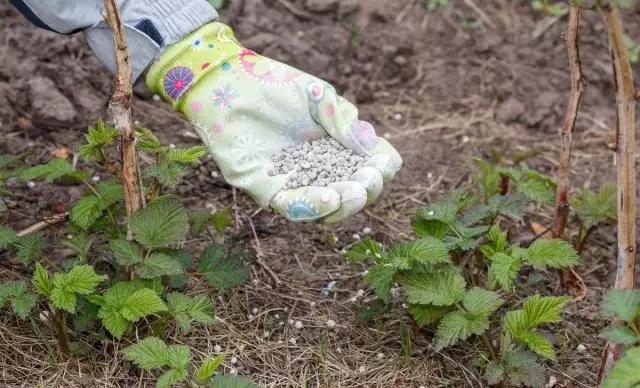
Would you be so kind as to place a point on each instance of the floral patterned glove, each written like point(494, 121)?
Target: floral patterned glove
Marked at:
point(246, 108)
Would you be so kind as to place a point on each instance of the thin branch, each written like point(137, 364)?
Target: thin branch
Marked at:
point(577, 87)
point(625, 160)
point(55, 219)
point(120, 107)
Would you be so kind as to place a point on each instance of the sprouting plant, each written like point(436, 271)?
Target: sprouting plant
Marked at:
point(624, 305)
point(134, 291)
point(461, 275)
point(634, 49)
point(433, 5)
point(220, 220)
point(354, 29)
point(592, 210)
point(175, 360)
point(550, 9)
point(469, 24)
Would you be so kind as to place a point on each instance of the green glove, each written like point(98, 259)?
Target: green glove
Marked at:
point(246, 108)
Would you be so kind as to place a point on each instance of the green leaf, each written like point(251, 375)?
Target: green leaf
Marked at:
point(97, 137)
point(221, 220)
point(593, 209)
point(7, 237)
point(381, 278)
point(81, 244)
point(142, 303)
point(220, 270)
point(459, 325)
point(201, 310)
point(427, 250)
point(56, 168)
point(444, 211)
point(187, 155)
point(41, 280)
point(539, 344)
point(110, 193)
point(481, 302)
point(149, 353)
point(179, 356)
point(170, 377)
point(554, 253)
point(5, 293)
point(22, 304)
point(126, 252)
point(81, 279)
point(522, 368)
point(498, 238)
point(620, 335)
point(208, 368)
point(62, 298)
point(159, 264)
point(113, 321)
point(160, 225)
point(511, 205)
point(231, 381)
point(626, 372)
point(440, 289)
point(539, 310)
point(429, 228)
point(365, 250)
point(489, 178)
point(30, 247)
point(186, 261)
point(493, 373)
point(425, 314)
point(199, 221)
point(184, 309)
point(504, 269)
point(147, 141)
point(622, 303)
point(86, 211)
point(169, 174)
point(6, 160)
point(536, 191)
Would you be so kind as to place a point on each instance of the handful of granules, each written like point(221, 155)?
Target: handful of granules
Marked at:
point(316, 163)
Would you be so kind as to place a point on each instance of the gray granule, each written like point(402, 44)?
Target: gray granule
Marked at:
point(316, 163)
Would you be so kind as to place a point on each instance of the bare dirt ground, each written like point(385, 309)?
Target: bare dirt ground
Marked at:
point(443, 94)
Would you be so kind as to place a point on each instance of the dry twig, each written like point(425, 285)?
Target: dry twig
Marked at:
point(55, 219)
point(625, 160)
point(120, 107)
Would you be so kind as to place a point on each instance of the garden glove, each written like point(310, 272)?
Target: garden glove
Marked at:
point(246, 108)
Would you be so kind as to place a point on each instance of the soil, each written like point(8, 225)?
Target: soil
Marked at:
point(441, 93)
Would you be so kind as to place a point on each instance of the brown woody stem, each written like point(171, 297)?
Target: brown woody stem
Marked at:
point(625, 160)
point(577, 86)
point(120, 107)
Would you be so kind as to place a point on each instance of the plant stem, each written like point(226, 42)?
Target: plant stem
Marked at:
point(625, 160)
point(93, 189)
point(492, 351)
point(583, 237)
point(120, 107)
point(60, 331)
point(106, 162)
point(577, 87)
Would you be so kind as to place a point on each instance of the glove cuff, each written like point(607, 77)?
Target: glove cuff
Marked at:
point(184, 64)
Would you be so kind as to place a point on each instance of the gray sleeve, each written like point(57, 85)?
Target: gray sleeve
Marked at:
point(150, 25)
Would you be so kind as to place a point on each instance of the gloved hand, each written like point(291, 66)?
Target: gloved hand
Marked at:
point(246, 108)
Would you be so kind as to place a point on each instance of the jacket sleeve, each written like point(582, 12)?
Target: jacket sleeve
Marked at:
point(150, 25)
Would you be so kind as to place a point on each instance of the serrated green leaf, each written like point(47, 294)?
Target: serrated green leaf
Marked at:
point(439, 289)
point(160, 225)
point(457, 326)
point(511, 205)
point(179, 356)
point(97, 137)
point(208, 368)
point(187, 155)
point(427, 250)
point(149, 353)
point(126, 252)
point(81, 244)
point(231, 381)
point(493, 373)
point(539, 310)
point(536, 191)
point(159, 264)
point(140, 304)
point(221, 270)
point(22, 304)
point(620, 335)
point(623, 303)
point(444, 211)
point(498, 238)
point(63, 298)
point(365, 250)
point(201, 310)
point(626, 372)
point(56, 168)
point(481, 302)
point(515, 322)
point(429, 228)
point(7, 237)
point(86, 211)
point(30, 246)
point(523, 369)
point(381, 278)
point(184, 309)
point(186, 261)
point(147, 141)
point(592, 209)
point(539, 344)
point(427, 314)
point(171, 377)
point(221, 220)
point(113, 321)
point(41, 281)
point(167, 173)
point(489, 178)
point(554, 253)
point(199, 220)
point(81, 279)
point(110, 193)
point(504, 269)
